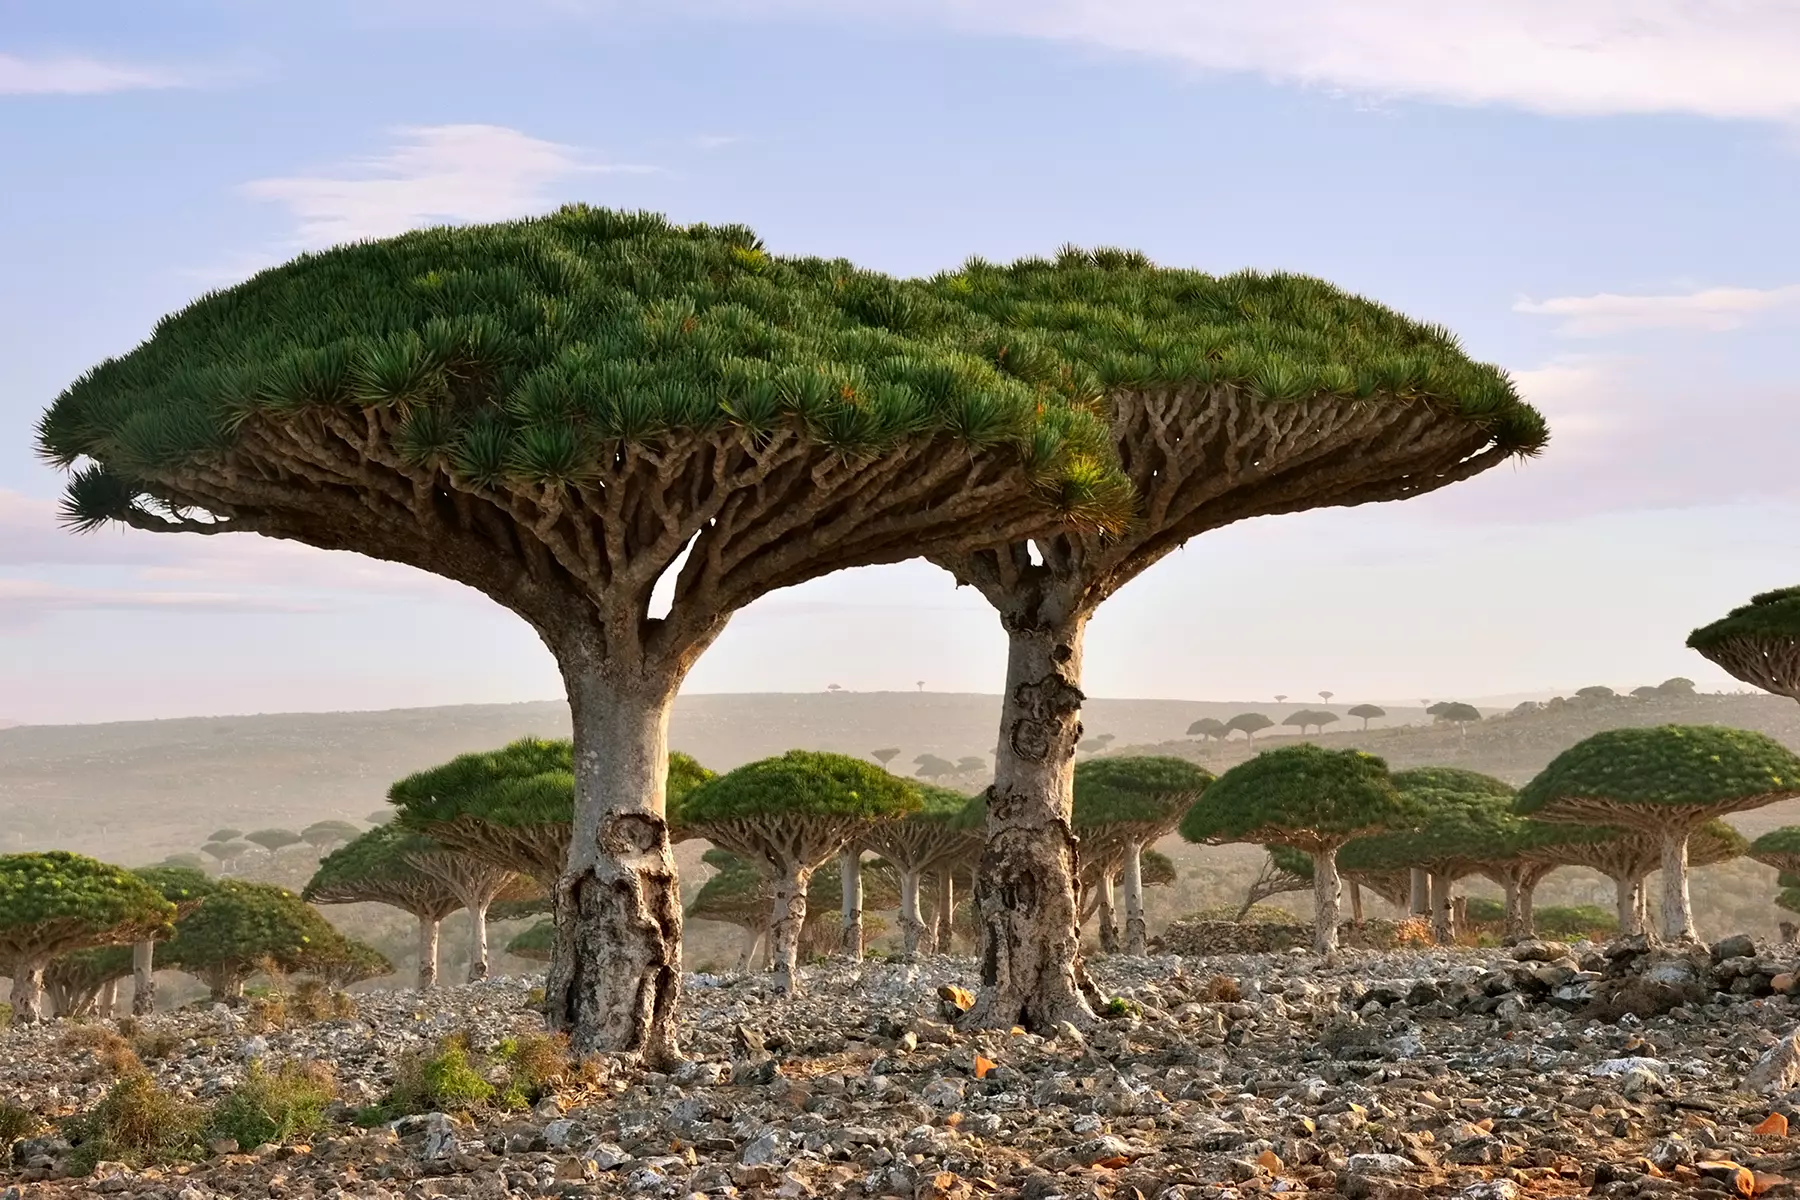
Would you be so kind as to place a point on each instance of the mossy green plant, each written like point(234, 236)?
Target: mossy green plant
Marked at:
point(274, 1106)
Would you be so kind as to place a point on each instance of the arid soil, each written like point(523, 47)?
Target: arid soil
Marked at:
point(1544, 1070)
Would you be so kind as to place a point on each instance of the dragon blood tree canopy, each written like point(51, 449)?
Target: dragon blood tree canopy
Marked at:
point(377, 868)
point(1758, 642)
point(1667, 780)
point(559, 413)
point(1228, 397)
point(933, 837)
point(55, 903)
point(515, 806)
point(1778, 848)
point(243, 926)
point(1123, 804)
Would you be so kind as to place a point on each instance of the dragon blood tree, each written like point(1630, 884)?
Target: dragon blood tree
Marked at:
point(926, 840)
point(1156, 869)
point(1228, 397)
point(186, 889)
point(345, 961)
point(1665, 780)
point(1778, 848)
point(57, 903)
point(534, 943)
point(1628, 856)
point(380, 867)
point(1758, 642)
point(85, 983)
point(243, 927)
point(476, 884)
point(1122, 805)
point(739, 894)
point(1308, 799)
point(559, 413)
point(1286, 869)
point(788, 815)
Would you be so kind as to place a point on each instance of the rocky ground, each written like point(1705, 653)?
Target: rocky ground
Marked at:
point(1543, 1070)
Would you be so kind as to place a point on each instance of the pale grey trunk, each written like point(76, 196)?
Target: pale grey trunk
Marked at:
point(1024, 896)
point(1419, 898)
point(784, 928)
point(912, 920)
point(107, 1003)
point(1131, 876)
point(1517, 926)
point(1109, 917)
point(944, 941)
point(1643, 908)
point(615, 970)
point(478, 940)
point(1677, 909)
point(143, 978)
point(1327, 895)
point(1356, 908)
point(428, 952)
point(750, 957)
point(1440, 910)
point(1528, 898)
point(1626, 895)
point(850, 871)
point(28, 990)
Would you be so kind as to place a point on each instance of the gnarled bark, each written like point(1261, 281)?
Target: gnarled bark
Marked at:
point(787, 919)
point(850, 872)
point(1677, 909)
point(1137, 933)
point(143, 978)
point(1327, 895)
point(107, 1003)
point(28, 990)
point(478, 941)
point(615, 969)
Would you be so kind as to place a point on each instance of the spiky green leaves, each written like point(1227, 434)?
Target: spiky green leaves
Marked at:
point(377, 867)
point(1136, 789)
point(1664, 769)
point(798, 784)
point(1778, 848)
point(1302, 796)
point(57, 902)
point(526, 352)
point(1769, 614)
point(527, 782)
point(1758, 642)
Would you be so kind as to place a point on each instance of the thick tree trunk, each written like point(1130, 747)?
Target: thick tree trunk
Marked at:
point(784, 929)
point(850, 871)
point(945, 940)
point(478, 940)
point(1626, 892)
point(912, 920)
point(1644, 923)
point(1677, 910)
point(1515, 927)
point(615, 970)
point(1440, 910)
point(1024, 897)
point(28, 990)
point(224, 984)
point(428, 952)
point(1527, 898)
point(1419, 898)
point(1327, 896)
point(143, 978)
point(1131, 875)
point(1109, 916)
point(1356, 908)
point(107, 1002)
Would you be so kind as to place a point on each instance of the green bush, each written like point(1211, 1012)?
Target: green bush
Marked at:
point(1485, 910)
point(1575, 921)
point(535, 1062)
point(138, 1124)
point(15, 1123)
point(445, 1080)
point(272, 1108)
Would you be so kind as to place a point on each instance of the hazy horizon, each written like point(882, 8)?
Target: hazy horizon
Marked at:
point(1598, 198)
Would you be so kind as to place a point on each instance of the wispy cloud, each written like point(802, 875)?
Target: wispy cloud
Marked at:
point(74, 75)
point(1717, 58)
point(24, 602)
point(436, 174)
point(1710, 310)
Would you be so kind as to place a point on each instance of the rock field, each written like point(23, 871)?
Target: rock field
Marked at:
point(1542, 1070)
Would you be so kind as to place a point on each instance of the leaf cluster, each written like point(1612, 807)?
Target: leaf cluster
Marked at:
point(1136, 788)
point(1772, 617)
point(799, 784)
point(1302, 795)
point(527, 782)
point(82, 899)
point(1665, 766)
point(243, 924)
point(377, 866)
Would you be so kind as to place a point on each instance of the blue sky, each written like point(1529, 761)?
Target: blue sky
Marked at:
point(1596, 195)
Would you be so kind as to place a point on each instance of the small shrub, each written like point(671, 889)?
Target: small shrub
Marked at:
point(152, 1045)
point(1119, 1006)
point(443, 1081)
point(128, 1027)
point(113, 1053)
point(15, 1123)
point(138, 1124)
point(6, 1014)
point(272, 1108)
point(1575, 921)
point(312, 1001)
point(1221, 989)
point(268, 1013)
point(535, 1063)
point(343, 1006)
point(1413, 931)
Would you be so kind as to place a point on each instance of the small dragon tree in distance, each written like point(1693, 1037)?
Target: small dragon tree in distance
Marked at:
point(1368, 712)
point(916, 843)
point(1667, 780)
point(243, 927)
point(186, 889)
point(1308, 798)
point(378, 867)
point(56, 903)
point(1228, 398)
point(1758, 642)
point(786, 816)
point(324, 836)
point(1121, 806)
point(515, 806)
point(559, 413)
point(476, 884)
